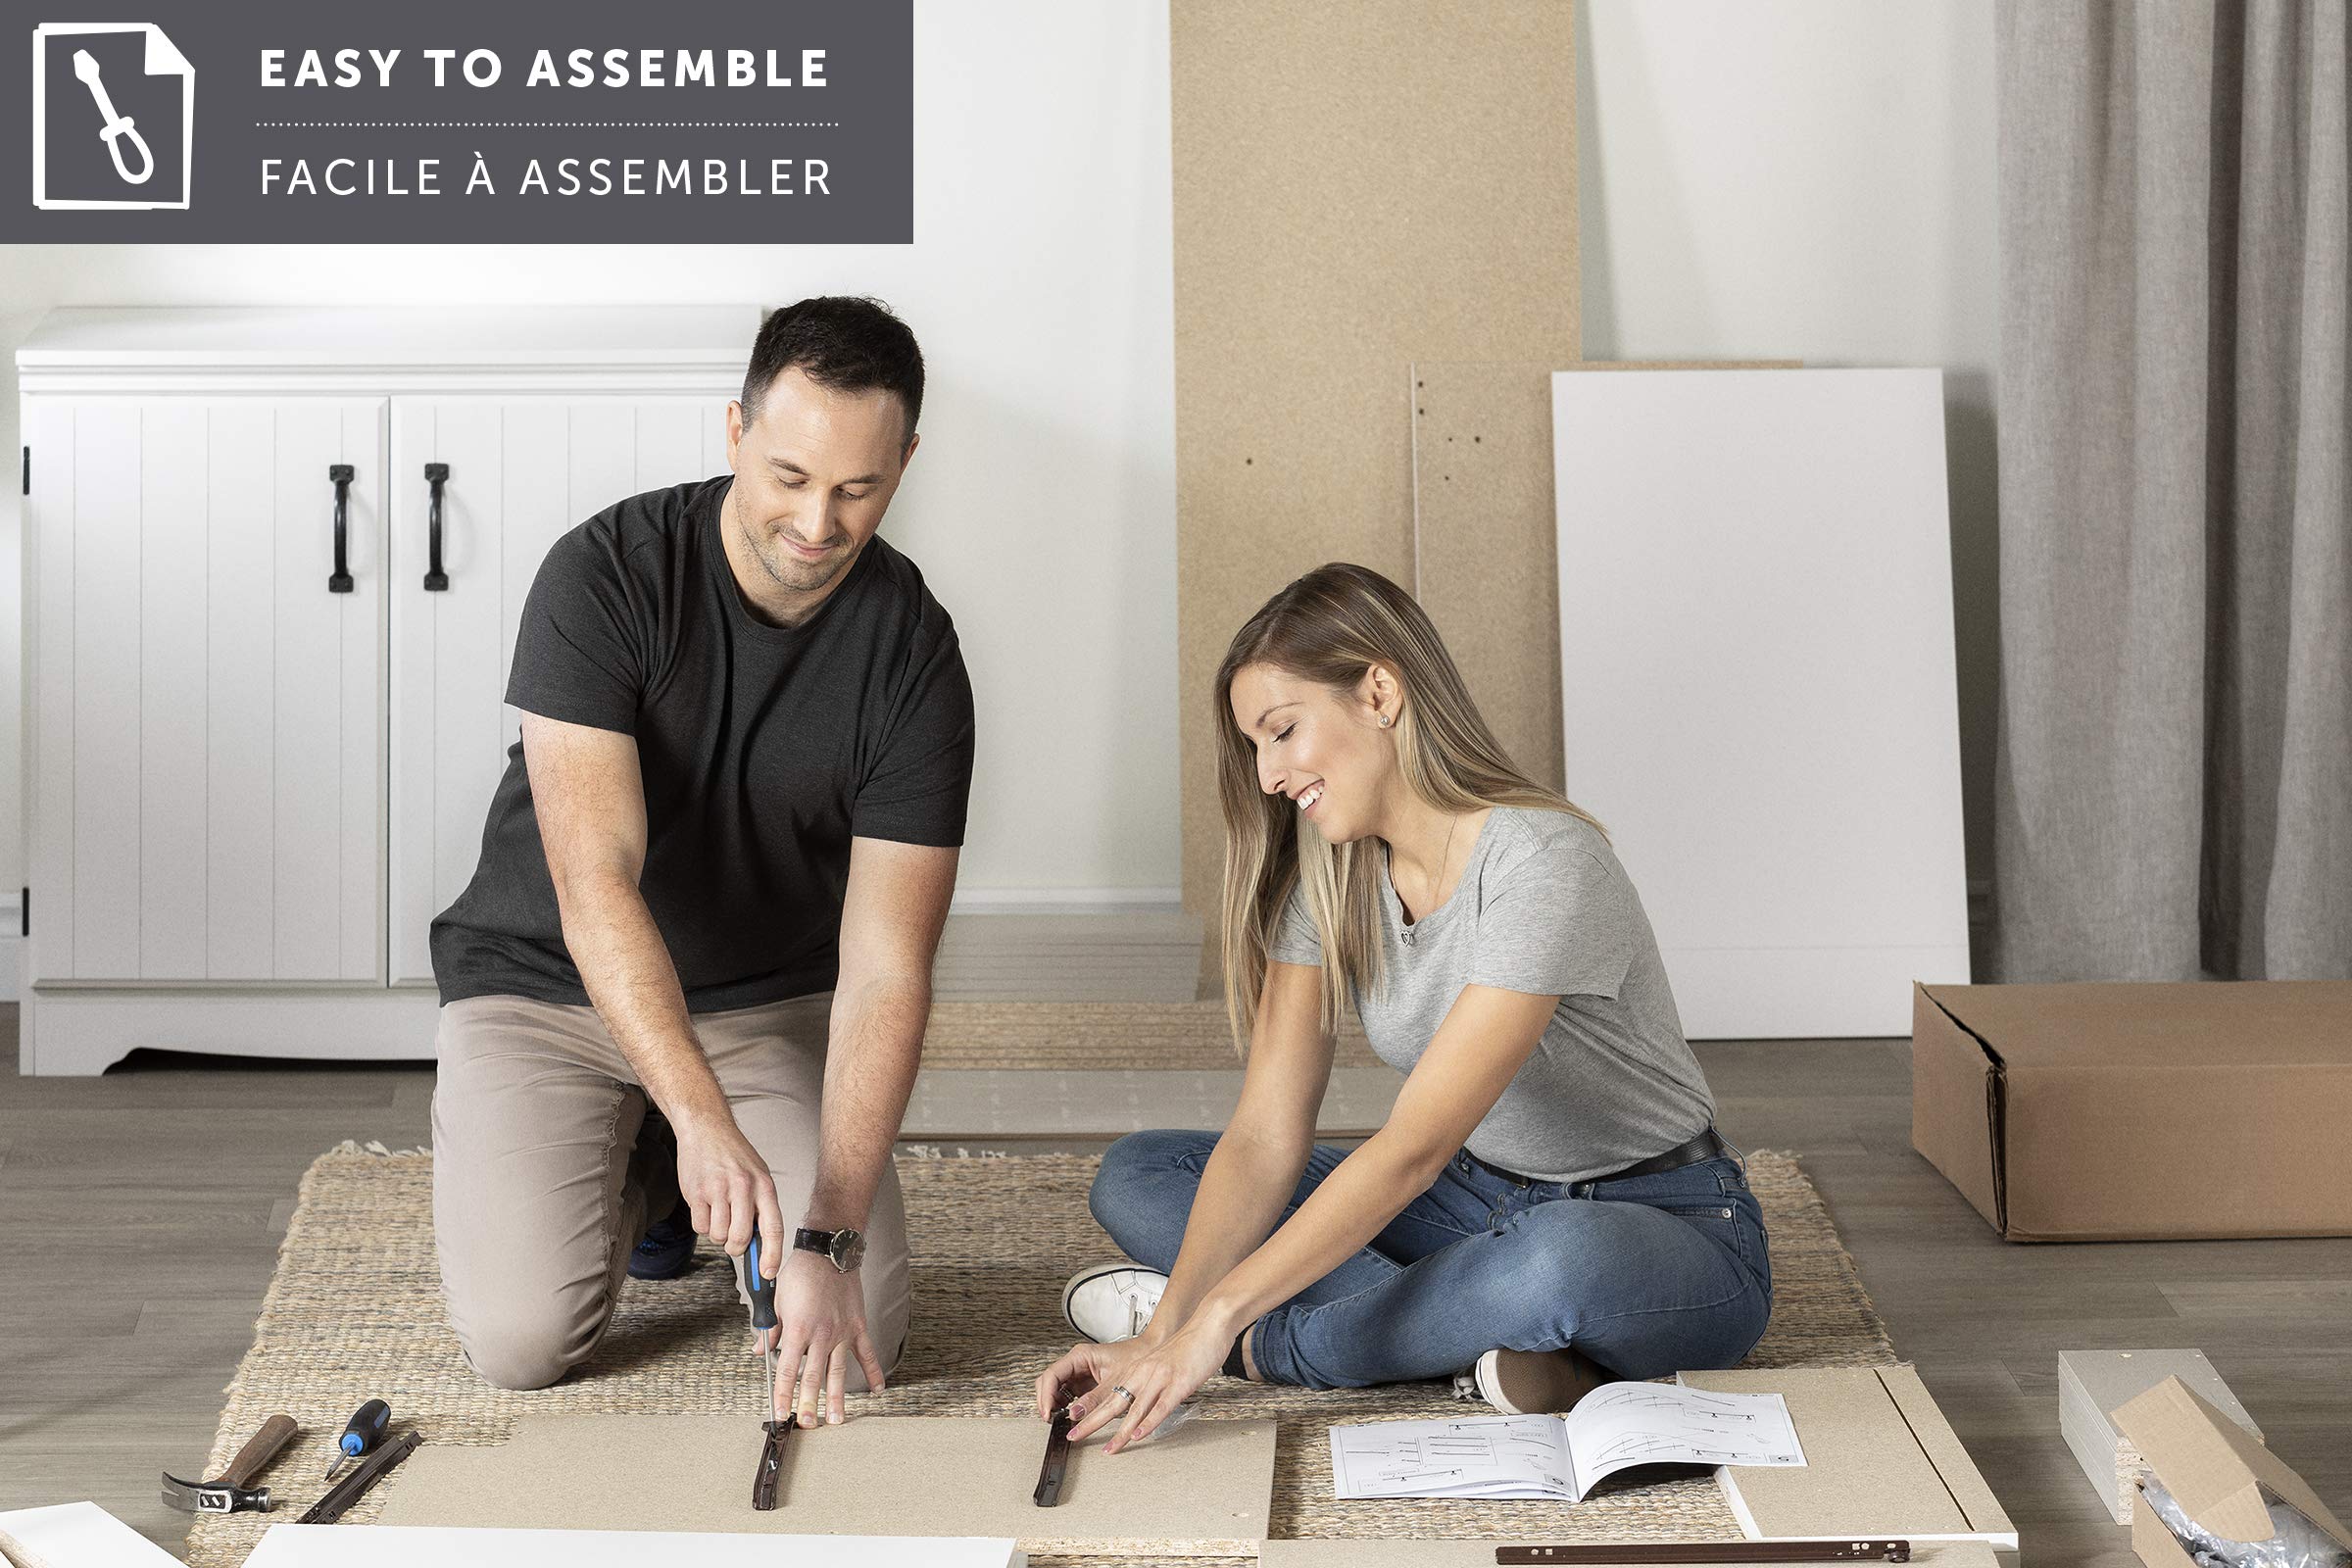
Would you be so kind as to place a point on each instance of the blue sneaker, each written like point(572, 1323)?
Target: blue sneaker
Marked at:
point(667, 1247)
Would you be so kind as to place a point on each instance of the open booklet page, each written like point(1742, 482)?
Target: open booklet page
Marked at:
point(1614, 1428)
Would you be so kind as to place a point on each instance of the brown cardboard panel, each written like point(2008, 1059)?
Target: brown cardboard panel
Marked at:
point(1880, 1460)
point(1204, 1490)
point(2215, 1469)
point(1480, 1553)
point(1359, 185)
point(2136, 1111)
point(1486, 535)
point(1954, 1088)
point(2146, 1027)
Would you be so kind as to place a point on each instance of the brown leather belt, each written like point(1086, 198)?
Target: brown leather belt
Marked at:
point(1707, 1146)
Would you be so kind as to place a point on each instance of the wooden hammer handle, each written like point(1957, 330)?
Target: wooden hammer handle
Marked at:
point(261, 1447)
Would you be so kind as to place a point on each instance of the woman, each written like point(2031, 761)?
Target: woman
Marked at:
point(1546, 1202)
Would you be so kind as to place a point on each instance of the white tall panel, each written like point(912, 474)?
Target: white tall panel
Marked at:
point(240, 693)
point(175, 482)
point(49, 722)
point(522, 472)
point(1757, 662)
point(106, 691)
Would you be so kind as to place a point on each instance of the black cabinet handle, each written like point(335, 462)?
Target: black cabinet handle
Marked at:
point(340, 581)
point(436, 474)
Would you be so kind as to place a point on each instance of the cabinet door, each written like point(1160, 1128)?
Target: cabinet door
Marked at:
point(521, 472)
point(205, 751)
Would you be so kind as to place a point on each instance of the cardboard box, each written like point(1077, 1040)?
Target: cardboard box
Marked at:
point(2114, 1112)
point(2092, 1385)
point(2214, 1471)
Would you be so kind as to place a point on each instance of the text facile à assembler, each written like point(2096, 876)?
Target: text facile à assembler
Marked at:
point(549, 67)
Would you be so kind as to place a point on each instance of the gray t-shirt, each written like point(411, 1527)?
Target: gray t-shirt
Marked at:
point(1542, 906)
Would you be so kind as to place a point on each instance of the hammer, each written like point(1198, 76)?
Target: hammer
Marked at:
point(233, 1492)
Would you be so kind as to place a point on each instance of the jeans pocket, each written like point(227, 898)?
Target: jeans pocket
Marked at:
point(1718, 1222)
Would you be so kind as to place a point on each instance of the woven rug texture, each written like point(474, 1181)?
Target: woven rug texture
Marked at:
point(1075, 1036)
point(354, 1312)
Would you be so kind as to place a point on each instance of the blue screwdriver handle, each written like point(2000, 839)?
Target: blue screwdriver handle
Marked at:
point(763, 1291)
point(365, 1428)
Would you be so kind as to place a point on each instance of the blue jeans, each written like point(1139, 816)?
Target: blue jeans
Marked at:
point(1645, 1275)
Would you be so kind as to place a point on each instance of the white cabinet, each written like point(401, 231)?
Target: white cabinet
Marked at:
point(515, 473)
point(255, 769)
point(205, 721)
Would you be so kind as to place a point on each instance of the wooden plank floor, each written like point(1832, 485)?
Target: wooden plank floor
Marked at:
point(140, 1215)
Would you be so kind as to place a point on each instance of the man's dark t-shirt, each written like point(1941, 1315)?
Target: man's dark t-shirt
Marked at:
point(764, 750)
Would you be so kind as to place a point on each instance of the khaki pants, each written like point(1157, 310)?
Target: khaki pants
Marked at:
point(539, 1196)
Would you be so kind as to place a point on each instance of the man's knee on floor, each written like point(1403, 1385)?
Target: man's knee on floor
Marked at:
point(520, 1353)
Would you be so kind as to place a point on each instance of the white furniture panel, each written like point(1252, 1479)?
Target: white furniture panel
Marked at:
point(1760, 703)
point(49, 725)
point(522, 472)
point(175, 482)
point(206, 721)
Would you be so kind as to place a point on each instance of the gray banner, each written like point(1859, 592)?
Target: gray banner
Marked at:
point(597, 121)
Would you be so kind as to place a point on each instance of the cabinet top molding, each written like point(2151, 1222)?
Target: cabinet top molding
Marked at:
point(390, 349)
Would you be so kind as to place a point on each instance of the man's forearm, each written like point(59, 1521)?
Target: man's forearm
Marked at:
point(627, 970)
point(876, 1046)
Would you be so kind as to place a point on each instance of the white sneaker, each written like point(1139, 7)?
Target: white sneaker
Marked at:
point(1112, 1301)
point(1531, 1382)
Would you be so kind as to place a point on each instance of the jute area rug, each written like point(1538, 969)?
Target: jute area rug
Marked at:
point(1077, 1036)
point(355, 1312)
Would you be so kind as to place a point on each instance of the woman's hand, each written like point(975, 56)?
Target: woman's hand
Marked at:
point(1160, 1376)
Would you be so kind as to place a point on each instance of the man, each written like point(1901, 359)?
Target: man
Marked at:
point(714, 878)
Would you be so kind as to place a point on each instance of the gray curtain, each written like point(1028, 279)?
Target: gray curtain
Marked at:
point(2175, 766)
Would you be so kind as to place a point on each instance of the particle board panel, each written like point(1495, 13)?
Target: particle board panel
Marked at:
point(1481, 1554)
point(1486, 539)
point(1204, 1490)
point(1359, 185)
point(291, 1545)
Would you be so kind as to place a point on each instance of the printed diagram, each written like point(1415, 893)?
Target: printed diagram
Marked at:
point(114, 118)
point(1697, 1404)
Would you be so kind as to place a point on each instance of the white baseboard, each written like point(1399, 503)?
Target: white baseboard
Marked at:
point(1067, 900)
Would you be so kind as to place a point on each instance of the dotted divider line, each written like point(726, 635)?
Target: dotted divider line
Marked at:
point(547, 125)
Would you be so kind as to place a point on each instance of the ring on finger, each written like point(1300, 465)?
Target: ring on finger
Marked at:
point(1121, 1388)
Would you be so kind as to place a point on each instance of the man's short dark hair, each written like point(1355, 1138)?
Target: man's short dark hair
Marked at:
point(840, 341)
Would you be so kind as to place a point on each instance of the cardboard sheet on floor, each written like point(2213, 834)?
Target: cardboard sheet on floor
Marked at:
point(1485, 538)
point(405, 1546)
point(1356, 186)
point(1204, 1490)
point(1480, 1553)
point(1880, 1460)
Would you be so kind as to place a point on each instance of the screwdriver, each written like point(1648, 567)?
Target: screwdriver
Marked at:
point(363, 1431)
point(762, 1293)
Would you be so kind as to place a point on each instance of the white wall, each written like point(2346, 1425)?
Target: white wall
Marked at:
point(1810, 179)
point(1042, 506)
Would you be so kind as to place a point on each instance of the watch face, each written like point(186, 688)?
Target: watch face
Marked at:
point(849, 1249)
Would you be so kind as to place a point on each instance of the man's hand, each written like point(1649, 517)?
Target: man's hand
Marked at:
point(722, 1177)
point(820, 1322)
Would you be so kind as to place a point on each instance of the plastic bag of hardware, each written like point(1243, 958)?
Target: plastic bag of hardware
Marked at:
point(2299, 1544)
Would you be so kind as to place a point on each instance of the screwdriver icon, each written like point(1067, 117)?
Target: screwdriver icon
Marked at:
point(117, 126)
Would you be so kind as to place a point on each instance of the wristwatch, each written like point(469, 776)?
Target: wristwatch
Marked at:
point(846, 1248)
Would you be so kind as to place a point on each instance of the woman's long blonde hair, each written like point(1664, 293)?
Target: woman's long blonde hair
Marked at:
point(1330, 626)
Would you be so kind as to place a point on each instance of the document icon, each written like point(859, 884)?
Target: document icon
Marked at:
point(114, 116)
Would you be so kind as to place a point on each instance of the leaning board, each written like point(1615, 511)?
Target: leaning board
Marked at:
point(1204, 1490)
point(1759, 696)
point(1359, 185)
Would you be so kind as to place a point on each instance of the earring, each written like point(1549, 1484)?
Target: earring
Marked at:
point(1384, 722)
